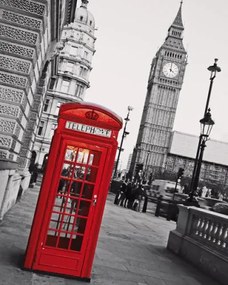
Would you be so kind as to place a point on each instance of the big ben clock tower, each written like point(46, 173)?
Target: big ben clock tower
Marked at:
point(163, 89)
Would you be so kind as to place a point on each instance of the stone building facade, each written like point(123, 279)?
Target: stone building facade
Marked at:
point(29, 31)
point(214, 168)
point(71, 66)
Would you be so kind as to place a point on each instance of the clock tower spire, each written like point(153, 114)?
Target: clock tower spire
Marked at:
point(163, 89)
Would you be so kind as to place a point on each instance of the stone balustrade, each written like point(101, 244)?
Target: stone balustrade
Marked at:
point(201, 237)
point(210, 228)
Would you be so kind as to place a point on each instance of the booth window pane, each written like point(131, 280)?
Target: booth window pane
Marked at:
point(88, 191)
point(67, 224)
point(84, 208)
point(80, 225)
point(70, 153)
point(79, 172)
point(66, 170)
point(82, 156)
point(76, 243)
point(76, 187)
point(51, 240)
point(63, 242)
point(63, 186)
point(91, 174)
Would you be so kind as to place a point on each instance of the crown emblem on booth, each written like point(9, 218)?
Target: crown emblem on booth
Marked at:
point(91, 115)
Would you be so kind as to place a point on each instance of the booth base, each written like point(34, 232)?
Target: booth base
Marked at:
point(83, 279)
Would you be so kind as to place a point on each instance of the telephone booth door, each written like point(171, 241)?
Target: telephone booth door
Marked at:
point(72, 207)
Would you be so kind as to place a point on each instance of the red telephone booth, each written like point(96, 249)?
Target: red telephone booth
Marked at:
point(70, 206)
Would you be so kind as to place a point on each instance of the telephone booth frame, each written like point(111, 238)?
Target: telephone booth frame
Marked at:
point(73, 193)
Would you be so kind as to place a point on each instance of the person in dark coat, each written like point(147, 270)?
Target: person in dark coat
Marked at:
point(120, 193)
point(131, 198)
point(145, 200)
point(138, 193)
point(33, 169)
point(128, 194)
point(123, 193)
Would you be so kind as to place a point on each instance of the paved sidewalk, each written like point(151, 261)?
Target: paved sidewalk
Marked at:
point(131, 250)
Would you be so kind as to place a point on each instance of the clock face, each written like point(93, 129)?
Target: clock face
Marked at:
point(170, 70)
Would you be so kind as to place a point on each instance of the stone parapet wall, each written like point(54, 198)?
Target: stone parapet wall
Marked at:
point(201, 237)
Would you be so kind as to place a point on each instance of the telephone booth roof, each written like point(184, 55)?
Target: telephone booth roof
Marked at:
point(90, 111)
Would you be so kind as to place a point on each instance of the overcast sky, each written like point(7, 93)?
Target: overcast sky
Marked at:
point(130, 32)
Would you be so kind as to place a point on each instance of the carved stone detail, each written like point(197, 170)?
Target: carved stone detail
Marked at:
point(18, 34)
point(11, 156)
point(14, 80)
point(22, 162)
point(9, 110)
point(5, 141)
point(16, 49)
point(17, 131)
point(23, 152)
point(32, 115)
point(13, 144)
point(25, 5)
point(7, 126)
point(14, 64)
point(3, 154)
point(22, 20)
point(11, 95)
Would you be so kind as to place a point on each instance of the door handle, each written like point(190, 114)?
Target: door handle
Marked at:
point(94, 200)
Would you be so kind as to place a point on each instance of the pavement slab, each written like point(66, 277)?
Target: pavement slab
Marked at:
point(131, 249)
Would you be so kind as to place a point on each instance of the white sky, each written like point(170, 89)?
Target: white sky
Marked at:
point(129, 34)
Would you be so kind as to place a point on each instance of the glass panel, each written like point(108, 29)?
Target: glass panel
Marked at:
point(84, 208)
point(79, 172)
point(67, 170)
point(70, 153)
point(63, 242)
point(63, 186)
point(75, 188)
point(60, 203)
point(67, 224)
point(83, 155)
point(91, 157)
point(55, 221)
point(73, 205)
point(51, 240)
point(87, 191)
point(80, 225)
point(91, 174)
point(57, 207)
point(76, 243)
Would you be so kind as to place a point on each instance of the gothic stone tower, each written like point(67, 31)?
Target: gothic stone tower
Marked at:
point(72, 64)
point(163, 89)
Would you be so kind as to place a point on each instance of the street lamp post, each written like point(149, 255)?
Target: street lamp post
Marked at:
point(125, 133)
point(206, 126)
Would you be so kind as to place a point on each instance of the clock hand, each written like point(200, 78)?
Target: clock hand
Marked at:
point(171, 68)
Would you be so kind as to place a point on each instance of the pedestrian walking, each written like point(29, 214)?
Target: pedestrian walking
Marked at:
point(33, 169)
point(120, 193)
point(137, 198)
point(128, 194)
point(123, 193)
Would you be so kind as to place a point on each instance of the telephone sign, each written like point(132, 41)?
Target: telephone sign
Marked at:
point(69, 210)
point(88, 129)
